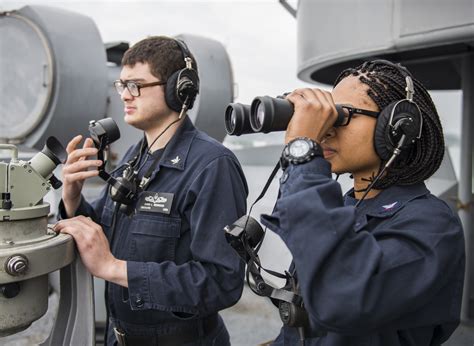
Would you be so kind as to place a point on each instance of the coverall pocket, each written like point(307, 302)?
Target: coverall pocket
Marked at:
point(154, 238)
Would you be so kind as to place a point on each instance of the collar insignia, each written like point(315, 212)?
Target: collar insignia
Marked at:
point(389, 206)
point(175, 160)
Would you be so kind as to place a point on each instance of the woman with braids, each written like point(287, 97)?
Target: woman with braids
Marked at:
point(382, 265)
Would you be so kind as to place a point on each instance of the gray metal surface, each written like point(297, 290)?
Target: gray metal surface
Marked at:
point(465, 195)
point(74, 324)
point(19, 312)
point(42, 253)
point(29, 249)
point(22, 231)
point(21, 113)
point(425, 35)
point(26, 186)
point(44, 256)
point(64, 89)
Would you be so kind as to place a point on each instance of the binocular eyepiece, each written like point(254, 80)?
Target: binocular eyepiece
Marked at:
point(46, 161)
point(103, 132)
point(246, 231)
point(265, 114)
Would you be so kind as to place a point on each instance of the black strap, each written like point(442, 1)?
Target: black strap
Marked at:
point(267, 185)
point(149, 172)
point(254, 265)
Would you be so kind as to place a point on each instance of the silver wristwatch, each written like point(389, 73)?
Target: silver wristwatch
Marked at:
point(300, 150)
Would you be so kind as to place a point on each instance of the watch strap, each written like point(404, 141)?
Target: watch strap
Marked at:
point(314, 150)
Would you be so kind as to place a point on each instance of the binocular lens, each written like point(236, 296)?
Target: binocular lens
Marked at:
point(267, 114)
point(237, 119)
point(260, 115)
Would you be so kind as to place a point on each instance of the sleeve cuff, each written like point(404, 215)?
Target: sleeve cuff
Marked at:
point(319, 165)
point(82, 209)
point(138, 286)
point(61, 211)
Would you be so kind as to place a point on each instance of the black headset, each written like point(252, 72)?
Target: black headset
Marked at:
point(400, 123)
point(182, 86)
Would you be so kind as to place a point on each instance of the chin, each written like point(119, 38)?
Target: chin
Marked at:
point(338, 170)
point(133, 121)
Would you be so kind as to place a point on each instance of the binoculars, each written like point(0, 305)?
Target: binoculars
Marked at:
point(265, 114)
point(103, 132)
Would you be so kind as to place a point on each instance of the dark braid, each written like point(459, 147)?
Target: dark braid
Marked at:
point(386, 85)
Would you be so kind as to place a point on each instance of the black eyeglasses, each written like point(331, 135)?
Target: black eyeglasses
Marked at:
point(350, 111)
point(133, 87)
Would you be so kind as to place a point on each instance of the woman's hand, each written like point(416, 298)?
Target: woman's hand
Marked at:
point(315, 113)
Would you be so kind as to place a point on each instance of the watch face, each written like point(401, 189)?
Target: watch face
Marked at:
point(299, 148)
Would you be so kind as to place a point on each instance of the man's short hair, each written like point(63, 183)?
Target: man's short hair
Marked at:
point(161, 53)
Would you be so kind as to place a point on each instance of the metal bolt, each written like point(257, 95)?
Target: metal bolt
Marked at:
point(16, 265)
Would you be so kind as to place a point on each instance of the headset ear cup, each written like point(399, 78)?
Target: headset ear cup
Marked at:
point(406, 112)
point(382, 145)
point(170, 93)
point(187, 86)
point(182, 83)
point(384, 140)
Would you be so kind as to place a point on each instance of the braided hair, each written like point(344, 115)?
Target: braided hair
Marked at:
point(386, 85)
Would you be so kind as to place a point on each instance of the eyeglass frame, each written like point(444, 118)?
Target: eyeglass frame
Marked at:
point(361, 111)
point(124, 85)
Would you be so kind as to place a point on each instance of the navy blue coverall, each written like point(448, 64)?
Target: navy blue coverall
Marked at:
point(181, 271)
point(387, 273)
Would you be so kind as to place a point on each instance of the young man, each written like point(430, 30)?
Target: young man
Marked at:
point(384, 264)
point(168, 267)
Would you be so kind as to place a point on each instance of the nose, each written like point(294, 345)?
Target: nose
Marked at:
point(331, 133)
point(125, 95)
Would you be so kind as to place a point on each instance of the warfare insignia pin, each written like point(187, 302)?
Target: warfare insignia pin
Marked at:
point(175, 160)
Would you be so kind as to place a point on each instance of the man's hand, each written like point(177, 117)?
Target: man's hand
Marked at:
point(94, 249)
point(315, 113)
point(76, 170)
